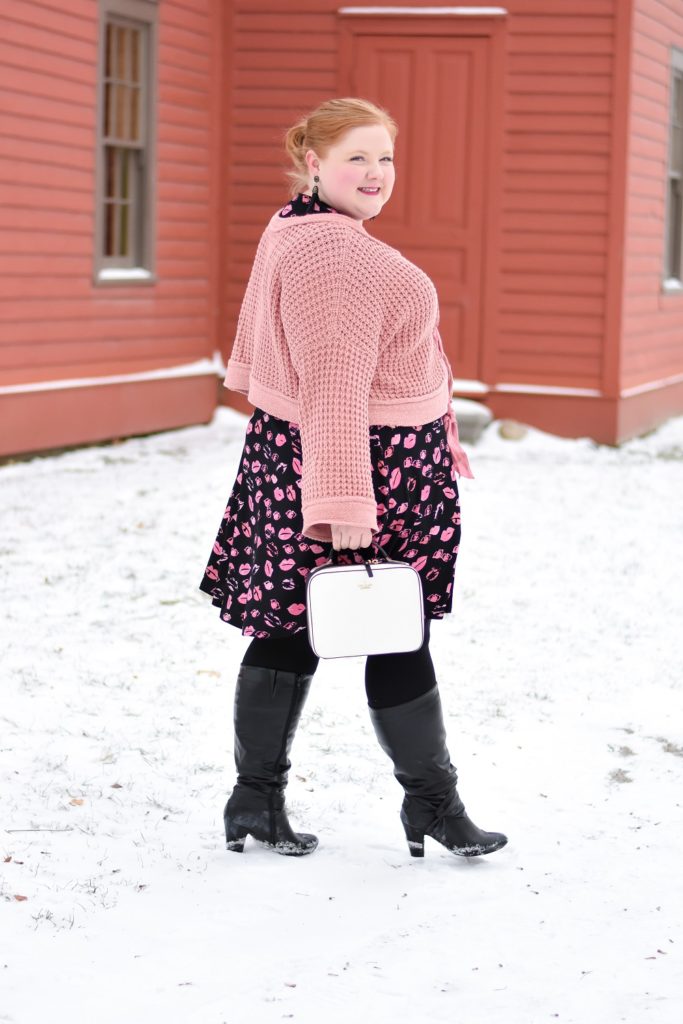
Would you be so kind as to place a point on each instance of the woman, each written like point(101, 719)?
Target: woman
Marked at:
point(352, 443)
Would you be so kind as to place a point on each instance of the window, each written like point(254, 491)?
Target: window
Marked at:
point(674, 220)
point(125, 158)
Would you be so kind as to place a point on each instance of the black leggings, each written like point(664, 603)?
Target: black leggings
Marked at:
point(390, 679)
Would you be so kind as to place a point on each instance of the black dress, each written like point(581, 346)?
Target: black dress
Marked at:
point(256, 572)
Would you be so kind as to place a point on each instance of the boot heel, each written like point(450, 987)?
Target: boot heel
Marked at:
point(235, 836)
point(416, 841)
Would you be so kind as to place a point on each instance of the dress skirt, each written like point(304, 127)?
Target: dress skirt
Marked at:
point(256, 573)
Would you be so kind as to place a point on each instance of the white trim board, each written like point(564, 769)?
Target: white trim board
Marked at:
point(124, 274)
point(467, 12)
point(652, 385)
point(200, 368)
point(215, 366)
point(547, 389)
point(472, 386)
point(541, 389)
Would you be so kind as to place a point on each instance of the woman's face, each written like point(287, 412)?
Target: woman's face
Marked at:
point(357, 174)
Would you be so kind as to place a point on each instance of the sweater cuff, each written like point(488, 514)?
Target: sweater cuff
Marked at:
point(319, 515)
point(237, 376)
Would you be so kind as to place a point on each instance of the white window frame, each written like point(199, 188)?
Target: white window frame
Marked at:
point(673, 275)
point(139, 266)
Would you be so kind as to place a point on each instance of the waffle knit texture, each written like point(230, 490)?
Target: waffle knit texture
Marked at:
point(338, 331)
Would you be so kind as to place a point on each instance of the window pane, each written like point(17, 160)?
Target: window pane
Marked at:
point(125, 165)
point(109, 172)
point(678, 100)
point(123, 232)
point(109, 213)
point(677, 125)
point(107, 109)
point(108, 46)
point(122, 33)
point(135, 56)
point(120, 123)
point(677, 149)
point(675, 225)
point(134, 118)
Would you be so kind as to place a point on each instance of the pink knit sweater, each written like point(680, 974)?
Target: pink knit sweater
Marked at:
point(337, 332)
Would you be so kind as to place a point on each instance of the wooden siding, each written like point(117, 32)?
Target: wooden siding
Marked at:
point(55, 322)
point(552, 306)
point(555, 225)
point(652, 347)
point(276, 72)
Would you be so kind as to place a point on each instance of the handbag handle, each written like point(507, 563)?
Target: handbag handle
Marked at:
point(334, 555)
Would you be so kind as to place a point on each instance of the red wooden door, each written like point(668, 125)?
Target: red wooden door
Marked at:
point(435, 86)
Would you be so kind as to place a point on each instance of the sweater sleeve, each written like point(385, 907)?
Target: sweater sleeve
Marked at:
point(332, 319)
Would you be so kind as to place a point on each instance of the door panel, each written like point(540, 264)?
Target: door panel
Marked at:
point(436, 88)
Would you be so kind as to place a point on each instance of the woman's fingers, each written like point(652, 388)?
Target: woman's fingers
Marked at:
point(345, 536)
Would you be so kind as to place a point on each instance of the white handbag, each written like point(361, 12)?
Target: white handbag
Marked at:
point(373, 608)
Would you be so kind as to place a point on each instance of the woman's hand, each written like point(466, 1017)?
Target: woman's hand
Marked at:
point(345, 536)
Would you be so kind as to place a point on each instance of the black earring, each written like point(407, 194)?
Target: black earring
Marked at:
point(314, 196)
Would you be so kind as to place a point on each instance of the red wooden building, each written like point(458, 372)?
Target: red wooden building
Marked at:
point(539, 183)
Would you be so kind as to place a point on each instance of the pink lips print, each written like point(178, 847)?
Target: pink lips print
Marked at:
point(412, 516)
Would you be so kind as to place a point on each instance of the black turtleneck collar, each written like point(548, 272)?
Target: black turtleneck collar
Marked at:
point(303, 203)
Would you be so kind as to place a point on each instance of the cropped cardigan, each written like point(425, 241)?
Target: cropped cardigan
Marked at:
point(338, 331)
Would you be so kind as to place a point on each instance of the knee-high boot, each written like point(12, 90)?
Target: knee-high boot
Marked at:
point(267, 709)
point(414, 737)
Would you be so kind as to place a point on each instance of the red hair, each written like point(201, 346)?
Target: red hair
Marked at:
point(323, 127)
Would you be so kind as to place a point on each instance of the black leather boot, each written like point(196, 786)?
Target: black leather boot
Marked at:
point(267, 709)
point(414, 736)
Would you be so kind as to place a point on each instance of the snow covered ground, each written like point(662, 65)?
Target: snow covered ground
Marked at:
point(560, 673)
